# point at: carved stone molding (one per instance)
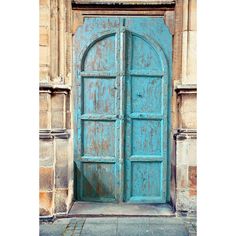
(186, 89)
(125, 2)
(181, 134)
(43, 87)
(54, 133)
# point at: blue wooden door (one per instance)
(122, 69)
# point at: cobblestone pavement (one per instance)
(121, 226)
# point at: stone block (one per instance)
(44, 74)
(44, 3)
(61, 166)
(44, 101)
(181, 152)
(61, 176)
(59, 110)
(46, 152)
(58, 120)
(186, 152)
(184, 57)
(44, 55)
(45, 203)
(61, 151)
(192, 57)
(192, 15)
(189, 120)
(182, 201)
(60, 201)
(44, 119)
(43, 36)
(188, 102)
(44, 16)
(58, 102)
(68, 120)
(46, 178)
(188, 111)
(182, 176)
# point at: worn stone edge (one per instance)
(45, 87)
(181, 134)
(131, 2)
(186, 88)
(54, 133)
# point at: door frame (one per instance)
(81, 11)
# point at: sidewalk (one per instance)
(120, 226)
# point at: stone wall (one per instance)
(56, 133)
(186, 135)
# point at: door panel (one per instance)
(122, 67)
(96, 51)
(146, 111)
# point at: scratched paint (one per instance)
(123, 68)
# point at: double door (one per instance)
(123, 69)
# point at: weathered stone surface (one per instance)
(58, 119)
(44, 19)
(44, 36)
(44, 119)
(192, 15)
(192, 57)
(46, 179)
(44, 55)
(58, 101)
(44, 2)
(61, 167)
(182, 176)
(192, 174)
(58, 110)
(46, 152)
(44, 74)
(44, 101)
(186, 152)
(61, 201)
(188, 111)
(45, 203)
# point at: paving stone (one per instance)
(51, 229)
(107, 229)
(133, 229)
(165, 220)
(123, 226)
(133, 220)
(168, 230)
(64, 221)
(101, 220)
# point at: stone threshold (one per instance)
(92, 209)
